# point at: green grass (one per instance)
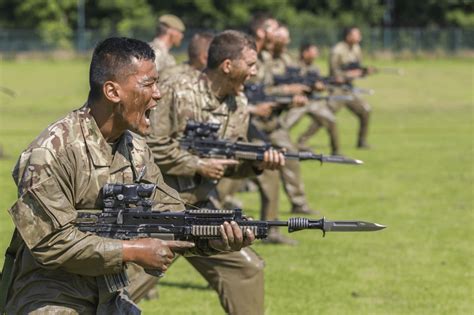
(417, 179)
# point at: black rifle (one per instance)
(127, 214)
(293, 75)
(365, 70)
(255, 93)
(202, 139)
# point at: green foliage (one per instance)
(56, 20)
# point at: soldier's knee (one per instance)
(252, 265)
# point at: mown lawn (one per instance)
(417, 179)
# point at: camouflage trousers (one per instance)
(237, 277)
(321, 116)
(360, 108)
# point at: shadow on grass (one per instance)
(184, 285)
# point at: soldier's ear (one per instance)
(111, 91)
(226, 66)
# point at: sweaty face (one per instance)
(243, 69)
(310, 54)
(177, 37)
(271, 28)
(355, 36)
(139, 94)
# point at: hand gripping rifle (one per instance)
(202, 139)
(127, 214)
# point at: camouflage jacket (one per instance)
(186, 97)
(163, 58)
(265, 72)
(342, 54)
(305, 68)
(174, 72)
(62, 171)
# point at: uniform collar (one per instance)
(98, 148)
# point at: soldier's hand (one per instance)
(299, 100)
(296, 88)
(214, 168)
(272, 160)
(232, 238)
(354, 73)
(152, 253)
(262, 109)
(319, 86)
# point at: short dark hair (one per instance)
(258, 21)
(161, 29)
(305, 46)
(198, 43)
(110, 57)
(347, 30)
(228, 45)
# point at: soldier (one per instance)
(213, 96)
(197, 58)
(54, 268)
(342, 54)
(272, 127)
(318, 111)
(169, 34)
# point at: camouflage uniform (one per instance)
(59, 269)
(238, 276)
(343, 54)
(320, 115)
(279, 136)
(163, 57)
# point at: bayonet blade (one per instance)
(340, 160)
(351, 226)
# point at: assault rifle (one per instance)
(127, 214)
(365, 70)
(202, 139)
(256, 94)
(293, 75)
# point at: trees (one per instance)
(56, 20)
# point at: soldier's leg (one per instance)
(290, 173)
(226, 189)
(141, 284)
(362, 110)
(291, 118)
(326, 118)
(238, 279)
(269, 187)
(314, 126)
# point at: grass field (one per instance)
(417, 179)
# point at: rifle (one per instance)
(293, 75)
(365, 70)
(202, 139)
(255, 93)
(128, 214)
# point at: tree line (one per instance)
(57, 20)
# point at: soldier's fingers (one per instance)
(224, 238)
(249, 238)
(228, 162)
(238, 236)
(282, 159)
(229, 232)
(179, 244)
